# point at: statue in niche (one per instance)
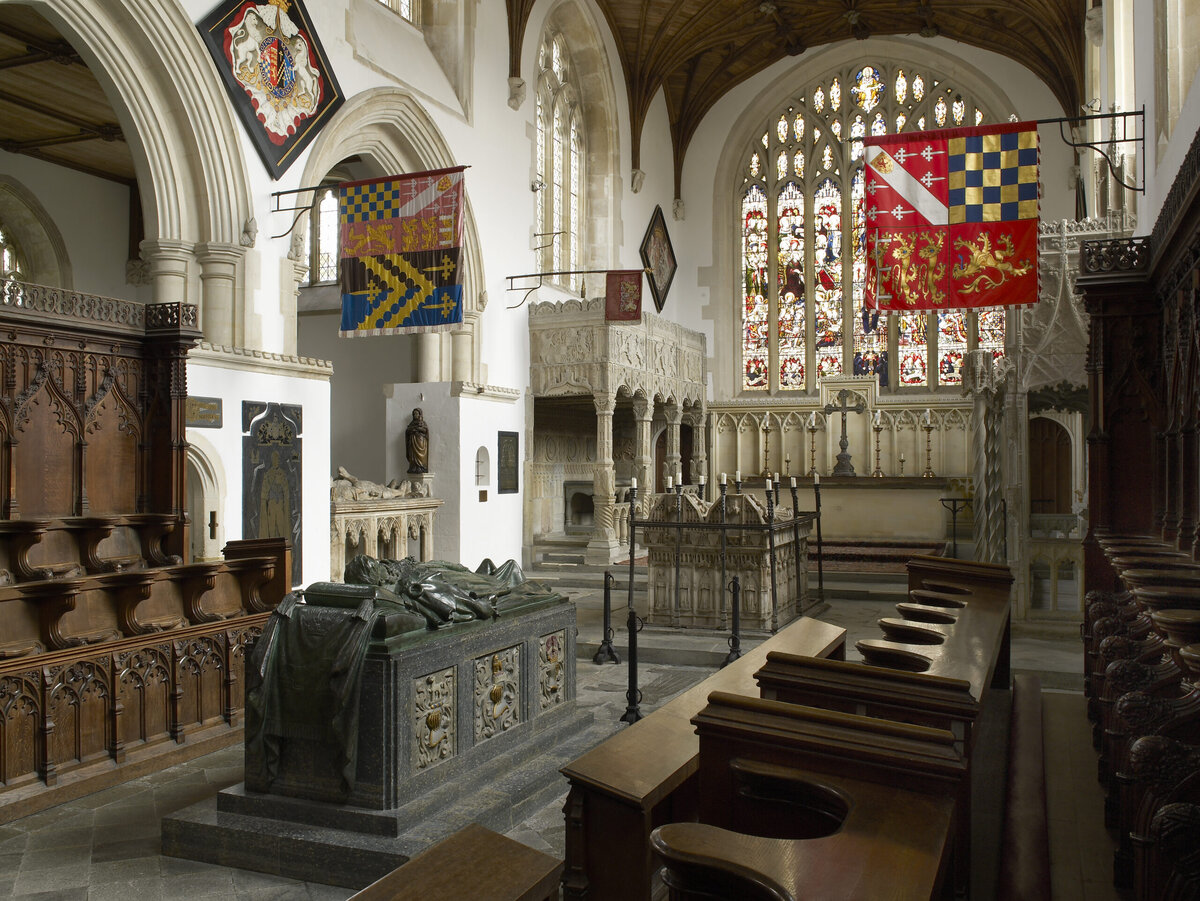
(416, 443)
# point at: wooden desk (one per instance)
(473, 863)
(645, 775)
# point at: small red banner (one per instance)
(623, 295)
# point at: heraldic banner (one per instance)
(401, 253)
(623, 295)
(952, 218)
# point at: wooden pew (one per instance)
(473, 863)
(645, 776)
(804, 803)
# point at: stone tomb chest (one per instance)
(434, 704)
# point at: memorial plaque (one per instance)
(271, 471)
(203, 413)
(508, 465)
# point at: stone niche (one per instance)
(437, 704)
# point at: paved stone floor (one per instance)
(106, 845)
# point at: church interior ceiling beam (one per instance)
(49, 98)
(696, 51)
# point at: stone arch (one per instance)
(597, 98)
(41, 243)
(206, 490)
(394, 134)
(197, 202)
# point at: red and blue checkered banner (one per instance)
(401, 253)
(952, 218)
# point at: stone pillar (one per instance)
(697, 421)
(984, 379)
(603, 546)
(674, 416)
(1187, 506)
(168, 262)
(289, 291)
(643, 452)
(460, 355)
(429, 357)
(218, 306)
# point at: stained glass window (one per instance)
(560, 158)
(791, 287)
(802, 206)
(755, 299)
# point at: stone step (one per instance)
(500, 794)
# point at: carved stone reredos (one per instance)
(573, 350)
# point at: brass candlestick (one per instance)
(878, 473)
(928, 473)
(766, 430)
(812, 447)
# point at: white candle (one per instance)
(816, 478)
(877, 419)
(633, 483)
(703, 478)
(679, 477)
(670, 483)
(928, 417)
(901, 456)
(776, 478)
(722, 478)
(793, 481)
(737, 476)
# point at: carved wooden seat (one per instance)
(645, 775)
(23, 536)
(93, 530)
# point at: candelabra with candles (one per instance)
(877, 427)
(766, 430)
(812, 443)
(901, 464)
(927, 425)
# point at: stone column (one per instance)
(218, 305)
(674, 416)
(603, 546)
(1170, 523)
(429, 357)
(1187, 505)
(643, 452)
(168, 262)
(460, 355)
(289, 292)
(984, 379)
(698, 422)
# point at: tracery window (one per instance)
(406, 8)
(559, 163)
(11, 266)
(802, 240)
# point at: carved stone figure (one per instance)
(347, 487)
(416, 442)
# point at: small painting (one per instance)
(508, 464)
(276, 73)
(658, 256)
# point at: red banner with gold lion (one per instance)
(952, 218)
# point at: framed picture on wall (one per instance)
(658, 256)
(508, 463)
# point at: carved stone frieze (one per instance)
(497, 692)
(552, 671)
(434, 712)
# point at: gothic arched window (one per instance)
(560, 156)
(321, 239)
(11, 266)
(802, 248)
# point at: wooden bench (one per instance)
(473, 863)
(645, 775)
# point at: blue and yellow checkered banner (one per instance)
(401, 253)
(952, 218)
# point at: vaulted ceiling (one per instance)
(697, 50)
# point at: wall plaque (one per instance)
(508, 463)
(203, 413)
(271, 471)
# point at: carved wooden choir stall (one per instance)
(117, 655)
(1141, 630)
(840, 780)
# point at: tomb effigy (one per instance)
(374, 706)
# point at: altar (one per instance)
(889, 508)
